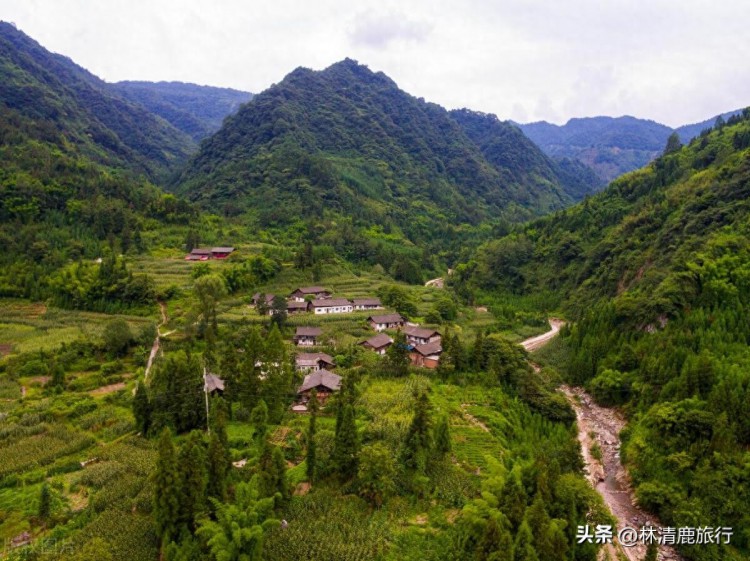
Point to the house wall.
(334, 310)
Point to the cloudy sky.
(674, 61)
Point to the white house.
(332, 306)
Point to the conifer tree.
(523, 547)
(442, 437)
(259, 420)
(513, 499)
(277, 386)
(249, 379)
(272, 473)
(141, 409)
(193, 479)
(219, 460)
(312, 407)
(278, 312)
(345, 455)
(167, 489)
(418, 441)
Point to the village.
(422, 344)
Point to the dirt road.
(601, 426)
(534, 343)
(155, 346)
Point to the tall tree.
(44, 510)
(209, 289)
(673, 144)
(418, 442)
(345, 455)
(259, 420)
(312, 460)
(167, 489)
(141, 409)
(442, 437)
(278, 312)
(272, 473)
(277, 386)
(376, 474)
(219, 460)
(523, 548)
(193, 479)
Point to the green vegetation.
(654, 271)
(195, 110)
(343, 162)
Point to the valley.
(335, 321)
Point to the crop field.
(28, 326)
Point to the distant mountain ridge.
(610, 146)
(196, 110)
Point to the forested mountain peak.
(346, 141)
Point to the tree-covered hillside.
(48, 88)
(72, 183)
(345, 144)
(655, 271)
(193, 109)
(507, 148)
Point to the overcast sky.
(674, 61)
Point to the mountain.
(655, 270)
(610, 146)
(347, 145)
(52, 89)
(195, 110)
(506, 147)
(74, 179)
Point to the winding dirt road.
(533, 343)
(155, 346)
(601, 426)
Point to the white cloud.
(380, 30)
(521, 59)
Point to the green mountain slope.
(50, 88)
(508, 149)
(346, 142)
(72, 184)
(195, 110)
(656, 272)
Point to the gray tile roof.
(378, 341)
(387, 318)
(321, 378)
(308, 332)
